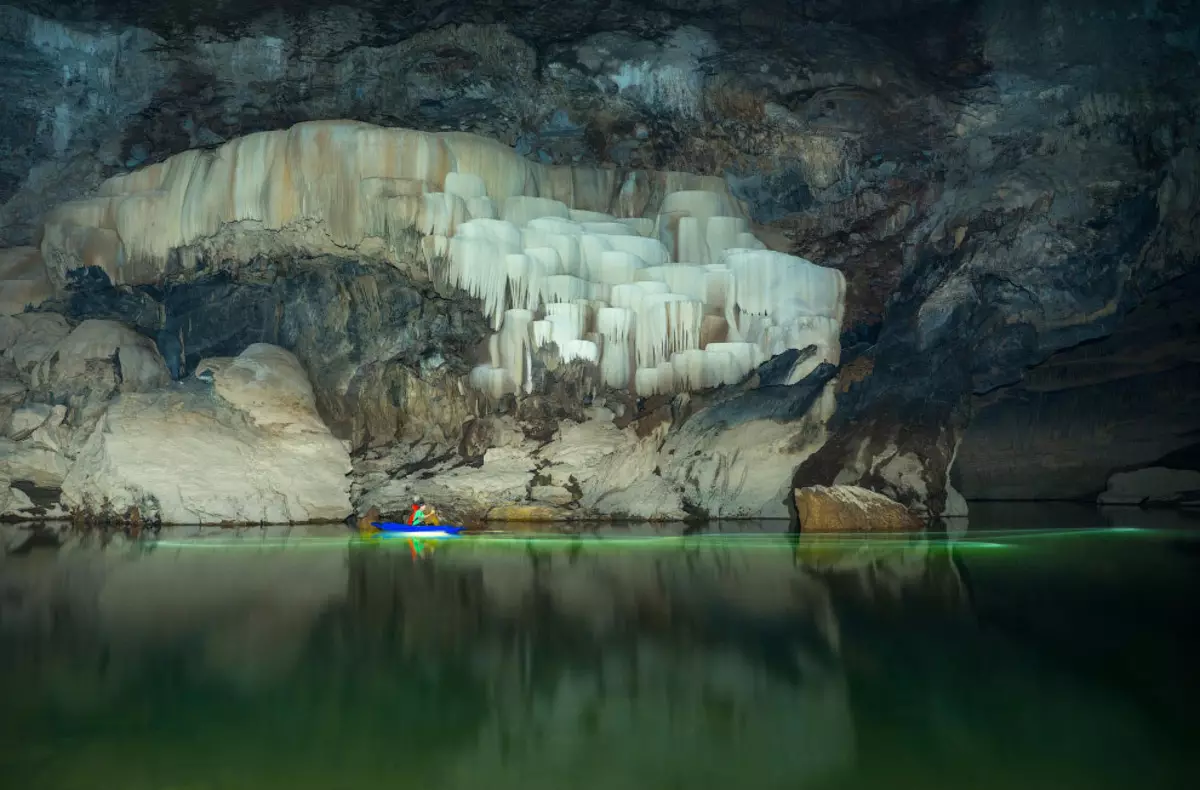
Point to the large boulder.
(241, 443)
(852, 509)
(28, 339)
(98, 359)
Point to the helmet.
(420, 501)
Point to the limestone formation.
(533, 243)
(253, 450)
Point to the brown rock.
(852, 509)
(364, 521)
(525, 513)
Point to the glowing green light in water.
(501, 540)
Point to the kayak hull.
(420, 531)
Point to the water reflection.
(306, 657)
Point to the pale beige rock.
(744, 470)
(526, 512)
(551, 495)
(244, 456)
(616, 470)
(25, 420)
(269, 384)
(740, 471)
(28, 339)
(852, 509)
(503, 479)
(23, 280)
(70, 367)
(26, 461)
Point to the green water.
(310, 658)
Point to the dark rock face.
(1123, 402)
(376, 345)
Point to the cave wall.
(1004, 184)
(375, 344)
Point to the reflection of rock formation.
(247, 610)
(586, 662)
(604, 657)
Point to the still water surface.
(297, 658)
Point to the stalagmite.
(667, 322)
(526, 280)
(543, 333)
(494, 351)
(645, 382)
(688, 366)
(475, 270)
(565, 288)
(513, 345)
(666, 377)
(746, 356)
(719, 288)
(580, 349)
(568, 321)
(723, 233)
(493, 381)
(690, 244)
(719, 368)
(783, 286)
(587, 312)
(713, 329)
(615, 325)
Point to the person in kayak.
(412, 514)
(424, 516)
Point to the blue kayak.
(419, 531)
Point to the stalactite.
(696, 299)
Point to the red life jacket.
(412, 513)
